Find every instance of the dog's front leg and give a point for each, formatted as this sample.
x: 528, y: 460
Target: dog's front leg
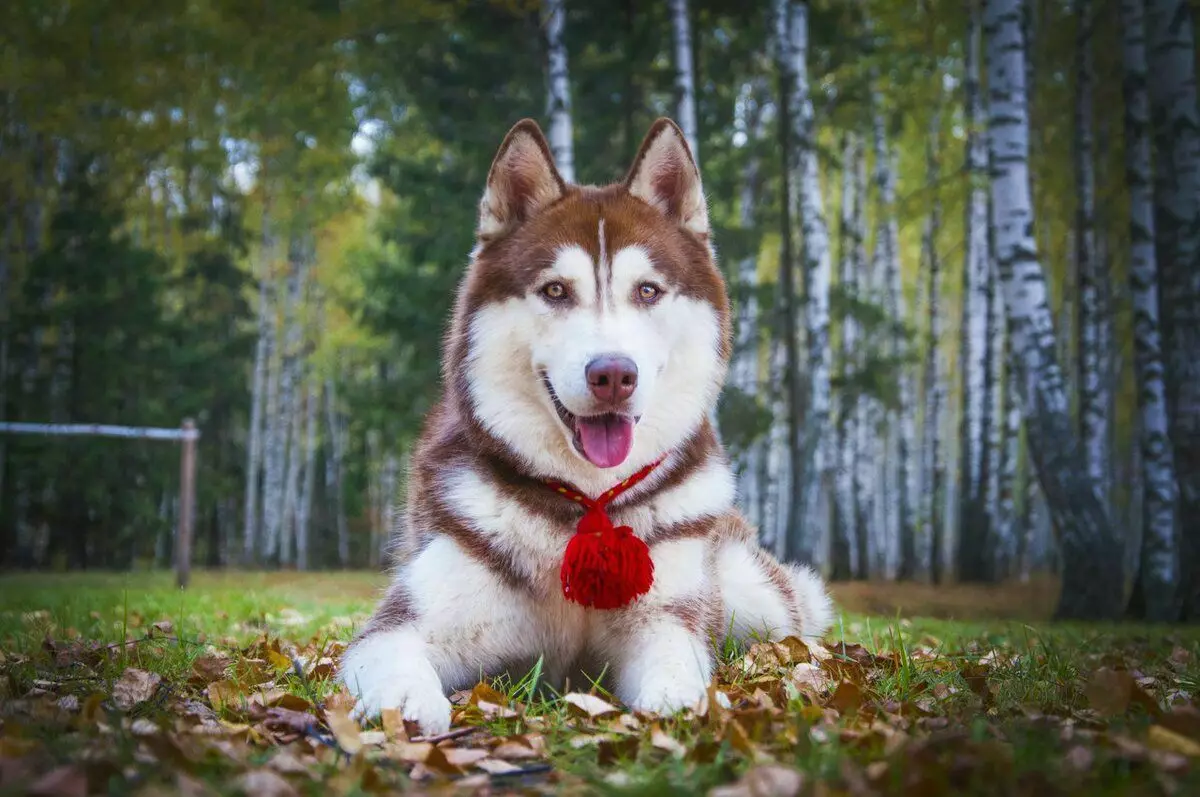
x: 446, y: 619
x: 658, y: 648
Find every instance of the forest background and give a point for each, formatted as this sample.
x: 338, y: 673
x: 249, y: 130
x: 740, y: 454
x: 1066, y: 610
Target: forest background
x: 962, y: 245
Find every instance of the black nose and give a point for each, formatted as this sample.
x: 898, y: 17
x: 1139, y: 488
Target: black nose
x: 612, y: 377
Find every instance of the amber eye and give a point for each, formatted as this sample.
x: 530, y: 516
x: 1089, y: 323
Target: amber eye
x: 649, y: 292
x: 555, y: 291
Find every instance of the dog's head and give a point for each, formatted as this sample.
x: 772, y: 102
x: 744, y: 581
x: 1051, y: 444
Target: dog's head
x: 591, y: 333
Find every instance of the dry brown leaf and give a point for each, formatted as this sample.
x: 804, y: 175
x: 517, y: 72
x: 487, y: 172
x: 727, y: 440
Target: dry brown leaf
x: 408, y: 752
x: 1109, y: 691
x: 135, y: 686
x: 846, y: 698
x: 265, y: 783
x: 222, y: 692
x: 287, y: 762
x: 766, y: 780
x: 529, y: 745
x: 209, y: 668
x: 344, y: 729
x: 463, y: 756
x: 590, y: 705
x: 494, y: 766
x: 1183, y: 720
x: 68, y: 781
x: 660, y: 740
x: 393, y: 724
x: 1161, y: 738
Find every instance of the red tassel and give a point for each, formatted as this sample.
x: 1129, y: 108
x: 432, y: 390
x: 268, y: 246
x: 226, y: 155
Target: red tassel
x: 605, y: 567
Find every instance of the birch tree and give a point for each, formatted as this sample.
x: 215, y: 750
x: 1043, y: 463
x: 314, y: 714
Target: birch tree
x: 558, y: 101
x: 743, y: 372
x: 935, y: 467
x: 846, y: 430
x: 1175, y: 120
x: 308, y: 480
x: 263, y: 352
x: 1093, y: 416
x: 1092, y: 552
x: 976, y: 280
x: 866, y: 439
x: 1158, y: 573
x: 335, y: 471
x: 815, y: 260
x: 685, y: 75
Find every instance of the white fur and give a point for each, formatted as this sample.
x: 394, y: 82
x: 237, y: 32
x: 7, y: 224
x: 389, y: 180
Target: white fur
x: 674, y: 344
x: 753, y: 606
x: 813, y: 599
x: 391, y: 669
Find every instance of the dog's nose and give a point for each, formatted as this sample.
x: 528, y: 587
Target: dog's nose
x: 612, y: 377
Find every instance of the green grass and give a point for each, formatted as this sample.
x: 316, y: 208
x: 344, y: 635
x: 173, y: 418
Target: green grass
x: 924, y: 706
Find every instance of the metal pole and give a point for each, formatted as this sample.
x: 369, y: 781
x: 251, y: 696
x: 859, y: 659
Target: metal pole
x: 187, y: 500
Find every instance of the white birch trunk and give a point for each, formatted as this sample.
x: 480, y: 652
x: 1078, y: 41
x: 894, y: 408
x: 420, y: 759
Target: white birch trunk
x: 1158, y: 572
x: 993, y: 424
x: 777, y: 499
x: 842, y: 547
x: 308, y: 479
x: 685, y: 75
x: 743, y: 372
x: 976, y: 278
x: 935, y: 468
x: 290, y: 392
x: 1171, y: 52
x: 1004, y: 528
x: 558, y: 102
x: 1092, y: 582
x: 335, y: 471
x: 1093, y: 420
x: 866, y: 439
x: 262, y: 357
x: 815, y: 258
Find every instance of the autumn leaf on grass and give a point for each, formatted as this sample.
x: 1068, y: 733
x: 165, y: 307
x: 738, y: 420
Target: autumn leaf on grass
x: 344, y: 729
x: 1110, y: 692
x: 590, y: 705
x: 846, y: 698
x: 1161, y: 738
x: 660, y: 740
x: 209, y: 668
x: 135, y: 686
x: 768, y: 780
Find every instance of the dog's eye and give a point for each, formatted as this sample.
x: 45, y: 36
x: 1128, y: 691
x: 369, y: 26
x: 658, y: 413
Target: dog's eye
x: 554, y: 291
x: 648, y: 292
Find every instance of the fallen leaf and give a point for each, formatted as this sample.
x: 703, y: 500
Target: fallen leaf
x: 135, y: 686
x: 208, y: 668
x: 1109, y: 691
x: 344, y: 729
x: 662, y: 741
x: 393, y: 724
x: 1161, y: 738
x: 590, y: 705
x: 768, y: 780
x: 494, y: 766
x: 463, y: 756
x: 846, y: 698
x: 265, y: 783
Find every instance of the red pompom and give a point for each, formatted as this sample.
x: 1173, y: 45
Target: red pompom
x: 605, y: 567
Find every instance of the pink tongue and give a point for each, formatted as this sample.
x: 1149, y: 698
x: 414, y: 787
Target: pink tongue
x: 605, y: 439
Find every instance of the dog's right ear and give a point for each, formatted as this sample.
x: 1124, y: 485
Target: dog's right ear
x: 522, y: 181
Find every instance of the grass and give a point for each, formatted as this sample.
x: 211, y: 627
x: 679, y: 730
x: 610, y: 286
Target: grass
x: 121, y: 684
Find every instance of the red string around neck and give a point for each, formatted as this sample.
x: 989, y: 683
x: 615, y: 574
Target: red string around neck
x: 604, y: 567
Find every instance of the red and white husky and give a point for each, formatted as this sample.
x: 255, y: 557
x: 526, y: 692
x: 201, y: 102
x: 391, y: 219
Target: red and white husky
x: 590, y: 338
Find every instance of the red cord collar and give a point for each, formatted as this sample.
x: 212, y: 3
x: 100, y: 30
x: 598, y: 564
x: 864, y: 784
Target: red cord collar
x: 605, y: 567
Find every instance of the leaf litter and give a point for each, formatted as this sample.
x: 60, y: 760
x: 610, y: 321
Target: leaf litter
x: 899, y: 713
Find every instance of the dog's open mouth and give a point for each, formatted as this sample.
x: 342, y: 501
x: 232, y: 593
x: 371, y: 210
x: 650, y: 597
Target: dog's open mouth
x: 604, y: 440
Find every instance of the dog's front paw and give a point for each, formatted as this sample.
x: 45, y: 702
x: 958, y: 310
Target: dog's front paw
x: 427, y: 707
x: 383, y: 674
x: 667, y: 695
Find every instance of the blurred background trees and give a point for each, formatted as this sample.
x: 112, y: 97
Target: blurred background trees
x: 962, y: 244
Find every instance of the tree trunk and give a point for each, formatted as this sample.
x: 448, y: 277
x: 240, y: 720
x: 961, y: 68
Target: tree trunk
x: 844, y: 531
x: 866, y: 439
x: 815, y: 258
x: 289, y: 404
x: 1004, y: 528
x: 558, y: 102
x: 262, y: 357
x: 304, y: 503
x: 335, y: 471
x: 1157, y: 583
x: 743, y: 372
x: 790, y: 505
x: 1171, y: 51
x: 976, y: 279
x: 1093, y: 421
x: 685, y: 75
x: 935, y: 468
x: 1092, y: 581
x: 993, y: 426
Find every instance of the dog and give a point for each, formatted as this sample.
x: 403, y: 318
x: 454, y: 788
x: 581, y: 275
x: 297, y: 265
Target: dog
x: 589, y: 341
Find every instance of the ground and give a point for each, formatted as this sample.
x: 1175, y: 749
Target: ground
x: 121, y: 684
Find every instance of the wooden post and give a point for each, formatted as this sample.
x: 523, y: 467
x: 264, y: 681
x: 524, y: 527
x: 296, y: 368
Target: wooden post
x: 187, y: 501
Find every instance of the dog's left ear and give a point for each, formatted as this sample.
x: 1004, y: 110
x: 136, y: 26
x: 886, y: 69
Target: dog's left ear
x: 665, y: 176
x: 522, y: 181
